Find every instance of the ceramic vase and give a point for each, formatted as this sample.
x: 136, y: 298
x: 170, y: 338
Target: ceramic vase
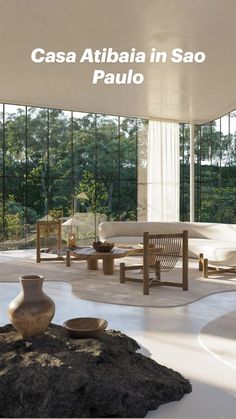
x: 32, y: 310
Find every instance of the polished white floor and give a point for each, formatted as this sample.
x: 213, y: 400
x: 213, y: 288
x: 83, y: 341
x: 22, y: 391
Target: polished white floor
x: 168, y: 335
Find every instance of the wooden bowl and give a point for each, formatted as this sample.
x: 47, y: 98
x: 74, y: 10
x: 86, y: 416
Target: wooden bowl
x: 103, y: 246
x: 85, y: 327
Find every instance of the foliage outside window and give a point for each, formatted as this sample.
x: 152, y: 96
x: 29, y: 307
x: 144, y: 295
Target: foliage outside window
x: 49, y: 158
x: 215, y: 170
x: 58, y: 163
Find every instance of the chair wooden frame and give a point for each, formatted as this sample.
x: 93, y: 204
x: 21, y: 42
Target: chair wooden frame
x: 158, y: 257
x: 49, y: 225
x: 209, y: 270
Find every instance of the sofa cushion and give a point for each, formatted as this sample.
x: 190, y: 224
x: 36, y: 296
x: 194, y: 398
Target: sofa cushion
x: 212, y: 231
x: 206, y: 238
x: 217, y: 251
x: 136, y: 228
x: 125, y: 239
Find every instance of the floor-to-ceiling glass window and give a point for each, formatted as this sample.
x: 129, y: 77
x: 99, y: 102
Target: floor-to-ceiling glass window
x: 184, y: 141
x: 62, y: 163
x: 215, y: 170
x: 215, y: 182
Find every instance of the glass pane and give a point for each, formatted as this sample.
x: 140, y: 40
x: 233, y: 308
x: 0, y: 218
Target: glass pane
x: 128, y: 148
x: 206, y: 144
x: 108, y: 198
x: 15, y: 213
x: 232, y: 123
x: 107, y: 147
x: 184, y: 171
x: 37, y: 200
x: 37, y: 144
x: 214, y: 191
x: 225, y: 140
x: 216, y: 143
x: 84, y: 144
x: 37, y: 207
x: 85, y: 194
x: 60, y: 145
x: 15, y: 140
x: 60, y: 198
x: 128, y: 207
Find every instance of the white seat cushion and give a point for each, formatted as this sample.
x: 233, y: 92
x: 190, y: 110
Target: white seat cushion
x: 217, y: 251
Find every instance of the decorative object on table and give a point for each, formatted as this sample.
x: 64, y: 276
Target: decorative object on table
x: 85, y: 327
x: 82, y: 378
x: 32, y: 310
x: 103, y: 246
x: 72, y: 223
x: 48, y: 234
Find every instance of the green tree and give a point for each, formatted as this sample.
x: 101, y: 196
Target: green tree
x: 52, y: 155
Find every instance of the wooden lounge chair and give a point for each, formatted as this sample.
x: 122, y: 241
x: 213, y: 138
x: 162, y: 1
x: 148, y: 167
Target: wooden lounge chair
x: 48, y: 232
x: 160, y: 253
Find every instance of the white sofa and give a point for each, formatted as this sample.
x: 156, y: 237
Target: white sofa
x: 216, y: 241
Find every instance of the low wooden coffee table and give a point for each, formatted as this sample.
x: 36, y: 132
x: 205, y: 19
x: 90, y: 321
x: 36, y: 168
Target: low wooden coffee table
x: 89, y: 254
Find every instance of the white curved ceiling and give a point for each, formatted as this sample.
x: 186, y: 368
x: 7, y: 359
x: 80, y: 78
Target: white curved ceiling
x: 182, y: 92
